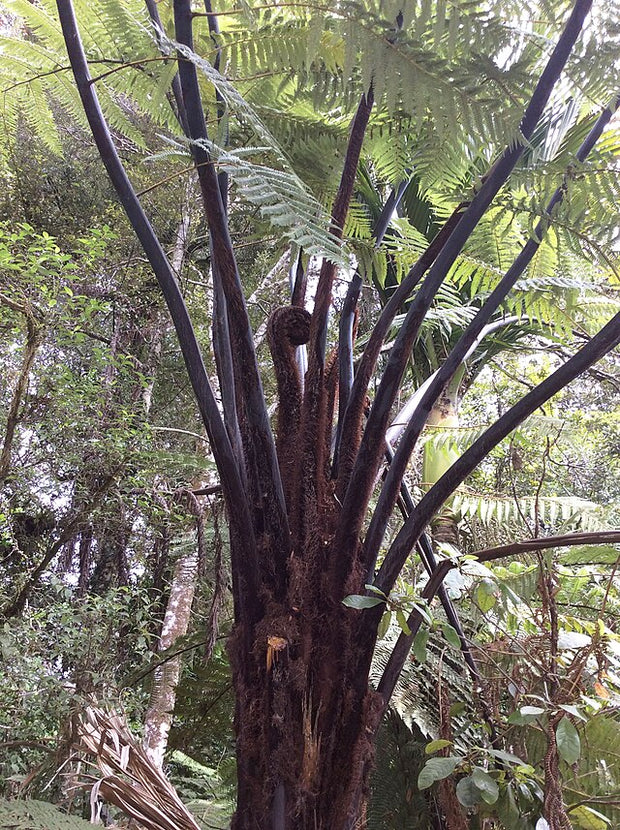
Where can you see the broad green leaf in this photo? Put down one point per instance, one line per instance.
(588, 819)
(436, 745)
(419, 645)
(485, 595)
(508, 811)
(358, 601)
(573, 710)
(384, 624)
(436, 769)
(569, 745)
(402, 621)
(487, 785)
(525, 715)
(467, 792)
(451, 636)
(507, 757)
(374, 590)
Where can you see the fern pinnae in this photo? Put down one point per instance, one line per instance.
(40, 117)
(279, 195)
(232, 98)
(42, 22)
(554, 511)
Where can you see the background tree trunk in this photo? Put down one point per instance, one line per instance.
(166, 677)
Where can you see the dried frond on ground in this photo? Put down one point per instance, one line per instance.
(130, 781)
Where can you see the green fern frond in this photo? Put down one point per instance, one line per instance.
(591, 555)
(235, 102)
(463, 436)
(552, 511)
(279, 194)
(29, 814)
(120, 46)
(395, 800)
(391, 158)
(415, 696)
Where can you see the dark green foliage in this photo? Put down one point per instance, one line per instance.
(37, 815)
(395, 800)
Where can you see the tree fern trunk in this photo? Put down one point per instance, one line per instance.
(304, 734)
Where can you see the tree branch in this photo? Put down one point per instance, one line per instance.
(16, 606)
(429, 561)
(34, 338)
(601, 537)
(387, 496)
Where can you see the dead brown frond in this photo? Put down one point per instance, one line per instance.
(129, 779)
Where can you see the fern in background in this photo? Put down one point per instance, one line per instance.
(290, 75)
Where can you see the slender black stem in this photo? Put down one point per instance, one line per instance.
(354, 412)
(340, 209)
(385, 217)
(153, 11)
(222, 351)
(347, 318)
(221, 335)
(596, 348)
(214, 29)
(298, 279)
(596, 537)
(429, 561)
(218, 437)
(345, 358)
(371, 447)
(401, 649)
(419, 416)
(259, 446)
